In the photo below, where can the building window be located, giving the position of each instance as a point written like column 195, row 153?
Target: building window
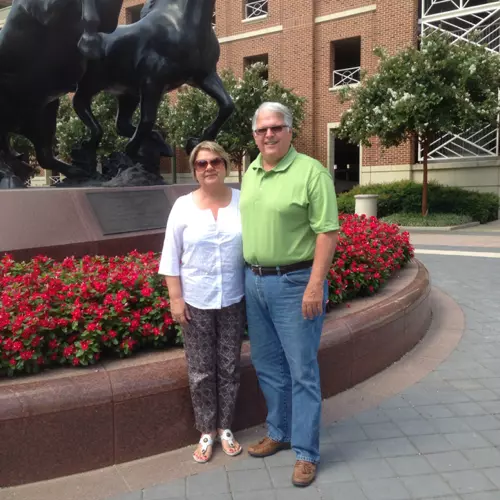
column 134, row 13
column 346, row 61
column 255, row 9
column 262, row 58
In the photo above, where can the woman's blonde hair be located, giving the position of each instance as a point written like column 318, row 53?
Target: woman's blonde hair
column 213, row 147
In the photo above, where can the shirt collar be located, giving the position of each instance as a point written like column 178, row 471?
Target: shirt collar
column 282, row 165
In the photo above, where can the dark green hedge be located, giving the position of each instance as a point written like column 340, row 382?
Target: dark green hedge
column 406, row 196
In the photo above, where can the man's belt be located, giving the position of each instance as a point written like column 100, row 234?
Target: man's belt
column 262, row 270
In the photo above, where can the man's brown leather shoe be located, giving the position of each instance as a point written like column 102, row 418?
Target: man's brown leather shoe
column 303, row 473
column 267, row 447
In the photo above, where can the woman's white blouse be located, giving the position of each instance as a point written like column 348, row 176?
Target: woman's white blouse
column 206, row 253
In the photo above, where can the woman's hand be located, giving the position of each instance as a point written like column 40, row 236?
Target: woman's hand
column 180, row 312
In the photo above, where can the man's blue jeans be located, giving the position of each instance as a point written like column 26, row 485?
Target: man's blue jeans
column 284, row 349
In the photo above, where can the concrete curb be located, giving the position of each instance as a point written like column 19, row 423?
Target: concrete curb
column 437, row 229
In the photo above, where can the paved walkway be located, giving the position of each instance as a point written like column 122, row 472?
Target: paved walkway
column 438, row 439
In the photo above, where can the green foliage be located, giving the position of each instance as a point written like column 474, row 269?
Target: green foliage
column 432, row 220
column 406, row 197
column 446, row 86
column 195, row 110
column 71, row 130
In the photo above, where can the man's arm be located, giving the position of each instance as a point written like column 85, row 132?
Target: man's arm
column 324, row 220
column 312, row 303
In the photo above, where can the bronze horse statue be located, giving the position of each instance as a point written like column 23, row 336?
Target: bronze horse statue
column 172, row 44
column 44, row 49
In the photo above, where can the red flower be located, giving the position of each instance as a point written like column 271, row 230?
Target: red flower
column 46, row 306
column 26, row 355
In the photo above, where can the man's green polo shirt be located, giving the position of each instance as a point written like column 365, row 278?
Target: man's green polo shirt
column 283, row 210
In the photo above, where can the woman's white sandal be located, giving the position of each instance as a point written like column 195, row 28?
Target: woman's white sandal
column 206, row 441
column 227, row 435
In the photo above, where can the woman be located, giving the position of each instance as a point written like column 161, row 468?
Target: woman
column 202, row 260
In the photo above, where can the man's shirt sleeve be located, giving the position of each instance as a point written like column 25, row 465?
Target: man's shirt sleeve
column 323, row 210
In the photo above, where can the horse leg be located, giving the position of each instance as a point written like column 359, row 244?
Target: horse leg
column 150, row 101
column 42, row 132
column 6, row 147
column 82, row 104
column 213, row 86
column 90, row 43
column 127, row 104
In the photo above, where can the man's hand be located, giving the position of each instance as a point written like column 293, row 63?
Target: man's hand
column 180, row 312
column 312, row 302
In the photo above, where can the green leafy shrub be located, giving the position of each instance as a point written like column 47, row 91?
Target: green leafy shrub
column 406, row 196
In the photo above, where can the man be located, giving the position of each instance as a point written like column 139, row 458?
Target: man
column 289, row 226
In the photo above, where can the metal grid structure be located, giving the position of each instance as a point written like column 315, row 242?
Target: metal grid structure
column 461, row 18
column 255, row 8
column 347, row 76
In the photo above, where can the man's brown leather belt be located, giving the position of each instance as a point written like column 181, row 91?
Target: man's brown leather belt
column 262, row 270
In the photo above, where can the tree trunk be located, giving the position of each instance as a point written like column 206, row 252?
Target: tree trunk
column 425, row 148
column 238, row 159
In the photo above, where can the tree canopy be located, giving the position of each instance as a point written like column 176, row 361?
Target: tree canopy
column 194, row 110
column 445, row 85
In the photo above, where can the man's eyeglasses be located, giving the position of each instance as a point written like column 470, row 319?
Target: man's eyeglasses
column 214, row 162
column 275, row 129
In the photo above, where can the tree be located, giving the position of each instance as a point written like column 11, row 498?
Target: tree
column 194, row 110
column 447, row 85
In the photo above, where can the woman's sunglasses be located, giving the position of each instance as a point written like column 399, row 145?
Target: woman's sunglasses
column 214, row 162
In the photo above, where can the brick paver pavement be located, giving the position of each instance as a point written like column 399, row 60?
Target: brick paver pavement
column 438, row 439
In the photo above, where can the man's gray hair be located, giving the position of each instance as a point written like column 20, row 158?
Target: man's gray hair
column 274, row 107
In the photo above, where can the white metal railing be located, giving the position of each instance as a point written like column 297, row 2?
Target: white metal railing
column 256, row 8
column 435, row 7
column 55, row 179
column 484, row 25
column 346, row 76
column 461, row 18
column 480, row 142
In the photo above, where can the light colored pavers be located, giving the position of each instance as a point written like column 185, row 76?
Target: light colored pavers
column 438, row 438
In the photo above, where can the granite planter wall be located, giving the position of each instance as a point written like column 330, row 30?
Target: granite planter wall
column 72, row 420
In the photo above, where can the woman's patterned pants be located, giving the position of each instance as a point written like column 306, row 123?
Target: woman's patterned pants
column 212, row 343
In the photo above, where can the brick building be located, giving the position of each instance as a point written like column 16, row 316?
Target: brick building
column 314, row 47
column 317, row 46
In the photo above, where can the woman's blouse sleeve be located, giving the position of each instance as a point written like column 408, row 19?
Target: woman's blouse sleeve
column 170, row 261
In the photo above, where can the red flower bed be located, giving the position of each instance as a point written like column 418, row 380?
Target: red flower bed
column 75, row 311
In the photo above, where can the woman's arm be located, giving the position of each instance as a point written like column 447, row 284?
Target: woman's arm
column 170, row 265
column 178, row 307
